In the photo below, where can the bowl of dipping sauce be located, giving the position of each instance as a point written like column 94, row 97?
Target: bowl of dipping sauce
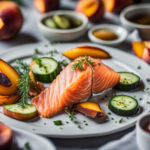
column 143, row 132
column 62, row 25
column 137, row 17
column 107, row 34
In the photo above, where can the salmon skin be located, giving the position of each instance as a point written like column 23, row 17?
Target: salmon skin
column 71, row 87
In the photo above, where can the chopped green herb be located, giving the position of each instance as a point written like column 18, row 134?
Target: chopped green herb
column 33, row 129
column 70, row 113
column 45, row 69
column 139, row 67
column 145, row 90
column 148, row 80
column 107, row 119
column 53, row 42
column 36, row 52
column 127, row 117
column 112, row 118
column 44, row 123
column 46, row 45
column 60, row 128
column 115, row 121
column 86, row 124
column 120, row 121
column 148, row 102
column 67, row 122
column 84, row 121
column 58, row 122
column 4, row 103
column 79, row 126
column 27, row 146
column 109, row 113
column 52, row 52
column 75, row 122
column 38, row 62
column 140, row 98
column 99, row 64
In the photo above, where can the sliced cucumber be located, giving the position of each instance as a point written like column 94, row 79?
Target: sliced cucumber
column 123, row 105
column 16, row 108
column 46, row 69
column 62, row 21
column 129, row 81
column 49, row 22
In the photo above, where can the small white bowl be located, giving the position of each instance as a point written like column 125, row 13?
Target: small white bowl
column 142, row 136
column 63, row 34
column 121, row 32
column 144, row 30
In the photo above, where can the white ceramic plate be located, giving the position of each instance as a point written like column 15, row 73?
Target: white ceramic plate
column 120, row 61
column 20, row 137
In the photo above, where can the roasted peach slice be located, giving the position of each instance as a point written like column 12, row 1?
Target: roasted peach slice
column 9, row 79
column 89, row 109
column 146, row 55
column 17, row 112
column 37, row 87
column 86, row 50
column 138, row 47
column 9, row 99
column 5, row 137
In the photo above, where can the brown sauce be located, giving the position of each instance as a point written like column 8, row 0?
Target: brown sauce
column 143, row 19
column 105, row 34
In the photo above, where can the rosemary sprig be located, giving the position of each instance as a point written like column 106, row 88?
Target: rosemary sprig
column 25, row 82
column 52, row 52
column 70, row 113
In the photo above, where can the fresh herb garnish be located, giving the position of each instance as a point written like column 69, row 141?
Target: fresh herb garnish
column 44, row 123
column 36, row 52
column 148, row 80
column 86, row 124
column 140, row 98
column 145, row 90
column 52, row 42
column 60, row 128
column 33, row 129
column 25, row 82
column 67, row 122
column 112, row 118
column 139, row 67
column 70, row 113
column 58, row 122
column 52, row 52
column 127, row 117
column 27, row 146
column 84, row 121
column 109, row 113
column 115, row 121
column 120, row 121
column 46, row 45
column 99, row 64
column 79, row 126
column 148, row 102
column 38, row 62
column 63, row 62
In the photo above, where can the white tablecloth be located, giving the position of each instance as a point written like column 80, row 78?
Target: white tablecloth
column 30, row 33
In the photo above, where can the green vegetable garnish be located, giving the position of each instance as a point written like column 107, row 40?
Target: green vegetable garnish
column 120, row 121
column 79, row 126
column 52, row 42
column 52, row 52
column 70, row 113
column 27, row 146
column 139, row 67
column 36, row 52
column 38, row 62
column 58, row 122
column 109, row 113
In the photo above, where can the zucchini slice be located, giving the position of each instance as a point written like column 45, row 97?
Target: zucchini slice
column 129, row 81
column 19, row 113
column 45, row 69
column 123, row 105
